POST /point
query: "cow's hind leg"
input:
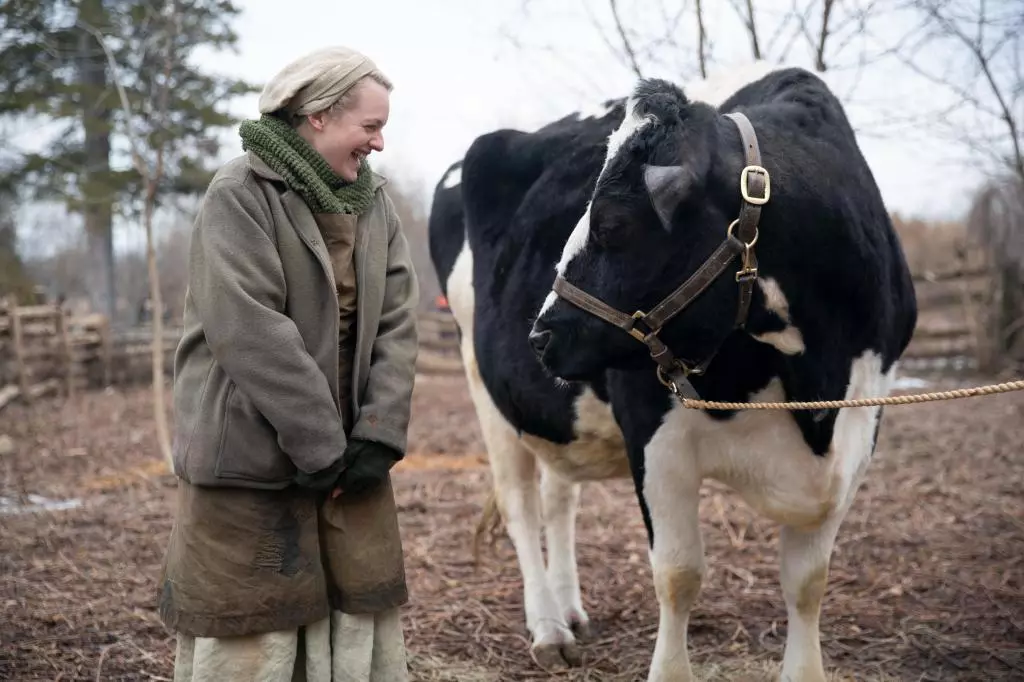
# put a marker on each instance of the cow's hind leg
(560, 502)
(514, 469)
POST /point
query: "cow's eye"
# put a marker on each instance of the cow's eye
(609, 229)
(600, 231)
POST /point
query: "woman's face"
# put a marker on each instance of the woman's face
(344, 138)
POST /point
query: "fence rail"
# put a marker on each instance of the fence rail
(948, 327)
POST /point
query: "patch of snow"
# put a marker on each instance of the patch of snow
(36, 504)
(907, 383)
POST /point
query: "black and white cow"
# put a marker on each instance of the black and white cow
(833, 312)
(832, 309)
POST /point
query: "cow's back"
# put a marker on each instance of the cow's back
(844, 237)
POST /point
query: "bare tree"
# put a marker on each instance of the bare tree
(982, 68)
(152, 174)
(675, 35)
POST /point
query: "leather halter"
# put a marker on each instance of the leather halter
(741, 235)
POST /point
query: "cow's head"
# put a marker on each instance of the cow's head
(661, 206)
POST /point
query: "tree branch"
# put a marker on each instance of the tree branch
(630, 54)
(746, 15)
(701, 42)
(819, 56)
(976, 48)
(137, 159)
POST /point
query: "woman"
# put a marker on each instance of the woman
(292, 393)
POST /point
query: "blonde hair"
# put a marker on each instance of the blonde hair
(347, 98)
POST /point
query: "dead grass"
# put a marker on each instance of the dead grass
(927, 582)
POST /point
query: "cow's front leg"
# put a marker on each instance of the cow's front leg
(515, 484)
(560, 498)
(514, 469)
(671, 491)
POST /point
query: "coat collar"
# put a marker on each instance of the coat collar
(260, 168)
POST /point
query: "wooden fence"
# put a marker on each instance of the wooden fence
(33, 340)
(45, 351)
(439, 344)
(950, 325)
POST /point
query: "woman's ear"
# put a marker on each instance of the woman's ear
(316, 121)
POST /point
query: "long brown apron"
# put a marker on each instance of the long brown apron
(359, 534)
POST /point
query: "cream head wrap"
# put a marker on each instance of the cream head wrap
(314, 82)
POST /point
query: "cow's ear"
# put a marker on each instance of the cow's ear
(669, 186)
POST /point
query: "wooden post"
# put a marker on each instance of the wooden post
(17, 337)
(66, 361)
(6, 340)
(106, 350)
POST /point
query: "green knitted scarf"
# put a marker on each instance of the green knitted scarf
(304, 169)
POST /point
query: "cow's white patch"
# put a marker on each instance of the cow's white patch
(452, 178)
(631, 123)
(461, 297)
(597, 110)
(576, 242)
(598, 453)
(789, 341)
(762, 455)
(574, 246)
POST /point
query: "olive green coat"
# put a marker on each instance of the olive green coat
(256, 372)
(257, 396)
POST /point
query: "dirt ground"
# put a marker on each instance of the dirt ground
(927, 582)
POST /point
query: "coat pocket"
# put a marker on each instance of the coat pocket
(248, 445)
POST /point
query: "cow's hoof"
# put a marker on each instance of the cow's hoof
(583, 630)
(552, 655)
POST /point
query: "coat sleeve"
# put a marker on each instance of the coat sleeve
(387, 400)
(238, 287)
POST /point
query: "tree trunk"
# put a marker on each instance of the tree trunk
(1011, 313)
(97, 200)
(160, 411)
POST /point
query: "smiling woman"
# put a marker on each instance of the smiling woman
(293, 382)
(351, 128)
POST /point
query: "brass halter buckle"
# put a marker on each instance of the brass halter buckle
(638, 334)
(745, 190)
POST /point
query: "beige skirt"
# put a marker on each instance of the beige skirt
(342, 648)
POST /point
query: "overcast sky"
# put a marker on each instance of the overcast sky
(465, 67)
(458, 73)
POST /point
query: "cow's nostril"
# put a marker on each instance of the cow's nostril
(539, 340)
